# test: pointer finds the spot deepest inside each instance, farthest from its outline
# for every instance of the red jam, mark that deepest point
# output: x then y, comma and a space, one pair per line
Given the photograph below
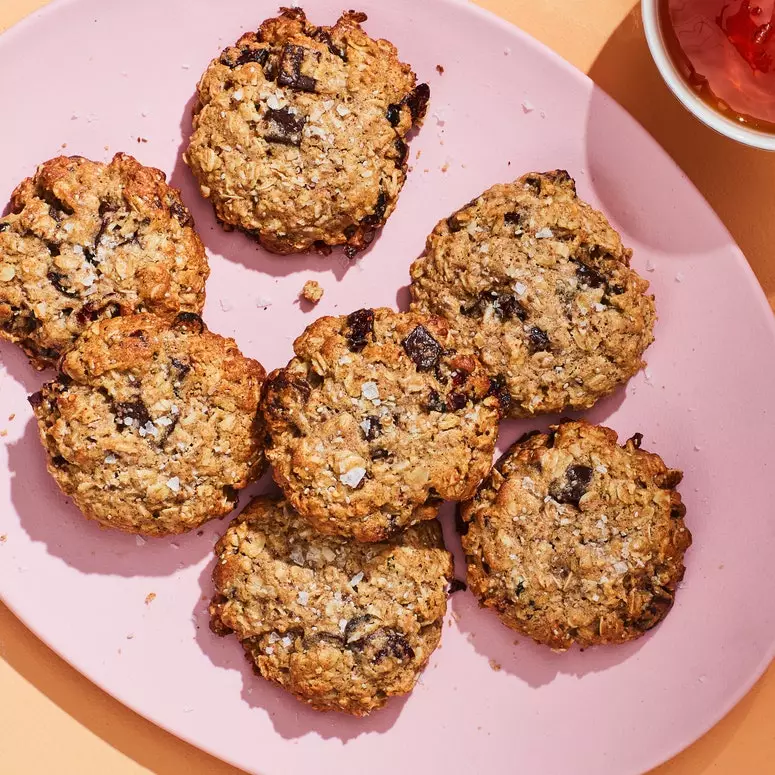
725, 51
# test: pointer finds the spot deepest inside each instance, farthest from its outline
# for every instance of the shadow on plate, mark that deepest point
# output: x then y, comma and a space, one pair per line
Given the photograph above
237, 246
290, 717
19, 368
48, 516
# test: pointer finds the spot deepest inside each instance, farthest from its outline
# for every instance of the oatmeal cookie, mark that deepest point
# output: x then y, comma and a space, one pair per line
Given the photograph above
341, 625
573, 538
152, 426
376, 420
300, 133
540, 284
86, 241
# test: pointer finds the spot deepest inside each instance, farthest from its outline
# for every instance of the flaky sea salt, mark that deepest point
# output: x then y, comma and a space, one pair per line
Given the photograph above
545, 233
520, 288
370, 390
352, 478
356, 579
174, 484
303, 597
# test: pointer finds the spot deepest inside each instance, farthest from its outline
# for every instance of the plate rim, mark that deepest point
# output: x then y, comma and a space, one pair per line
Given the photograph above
763, 307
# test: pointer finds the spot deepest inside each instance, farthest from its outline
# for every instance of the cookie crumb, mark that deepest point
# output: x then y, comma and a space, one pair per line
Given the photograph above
11, 416
3, 538
150, 597
3, 433
440, 69
141, 140
495, 666
445, 167
312, 291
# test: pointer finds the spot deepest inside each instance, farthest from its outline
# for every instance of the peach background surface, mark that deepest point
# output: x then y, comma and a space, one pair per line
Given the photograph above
53, 720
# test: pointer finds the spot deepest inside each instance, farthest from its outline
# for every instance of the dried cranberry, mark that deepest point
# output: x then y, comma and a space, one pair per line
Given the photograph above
423, 349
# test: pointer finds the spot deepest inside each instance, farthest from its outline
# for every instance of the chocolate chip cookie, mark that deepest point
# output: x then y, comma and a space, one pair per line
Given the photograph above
341, 625
86, 241
539, 282
573, 538
376, 420
151, 427
300, 133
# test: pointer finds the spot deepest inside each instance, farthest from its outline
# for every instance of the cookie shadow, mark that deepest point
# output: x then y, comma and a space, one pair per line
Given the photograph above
49, 517
291, 718
20, 369
237, 246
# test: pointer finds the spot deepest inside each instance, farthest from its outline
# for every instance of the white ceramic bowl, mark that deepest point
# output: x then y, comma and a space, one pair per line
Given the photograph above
722, 124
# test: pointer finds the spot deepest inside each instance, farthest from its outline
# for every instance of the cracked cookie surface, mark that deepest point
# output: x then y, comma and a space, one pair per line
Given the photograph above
86, 241
540, 284
376, 420
573, 538
339, 624
300, 133
152, 427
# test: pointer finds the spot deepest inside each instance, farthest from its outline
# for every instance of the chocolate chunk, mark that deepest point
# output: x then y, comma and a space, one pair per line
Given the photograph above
615, 289
181, 369
360, 325
380, 454
4, 227
671, 479
378, 215
499, 390
520, 588
358, 628
435, 404
561, 178
324, 36
573, 486
351, 251
460, 377
58, 461
181, 214
457, 585
57, 207
56, 280
534, 183
456, 402
589, 276
136, 411
403, 151
289, 73
374, 428
257, 55
678, 510
538, 340
505, 305
514, 218
190, 321
90, 312
36, 399
388, 643
417, 101
284, 127
636, 440
88, 254
394, 114
230, 493
656, 610
423, 349
53, 249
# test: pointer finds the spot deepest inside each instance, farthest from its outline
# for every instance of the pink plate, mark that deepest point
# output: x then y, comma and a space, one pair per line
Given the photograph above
98, 76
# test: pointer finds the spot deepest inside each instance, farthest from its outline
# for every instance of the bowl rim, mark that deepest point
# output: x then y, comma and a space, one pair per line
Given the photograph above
720, 123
